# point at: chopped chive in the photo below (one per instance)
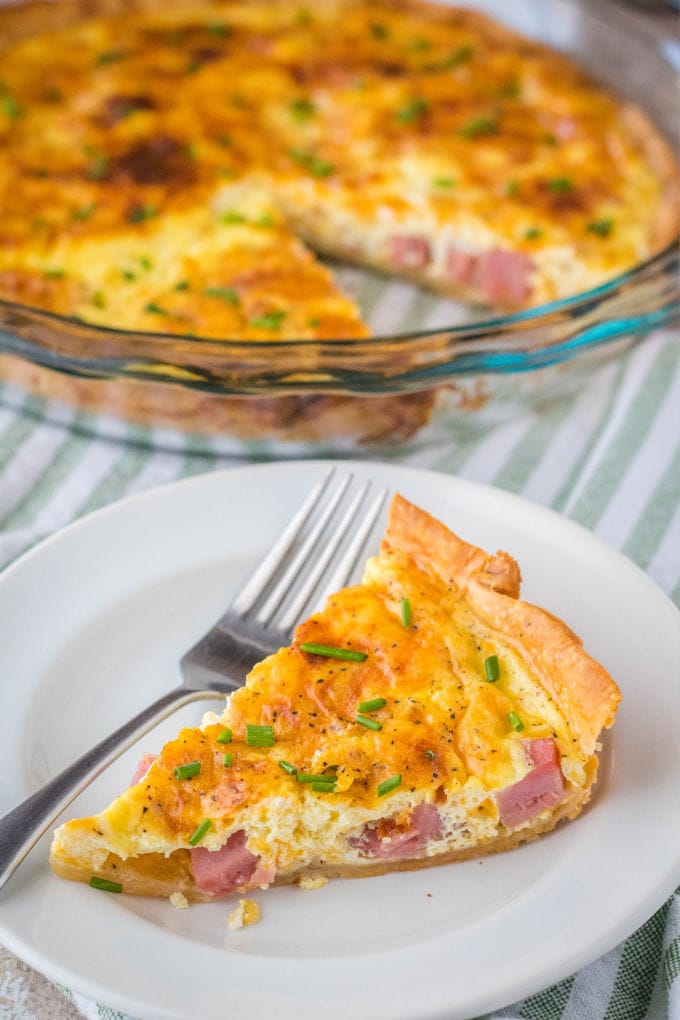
(55, 274)
(378, 30)
(510, 89)
(272, 320)
(430, 754)
(406, 614)
(200, 832)
(331, 652)
(145, 262)
(601, 227)
(192, 768)
(192, 150)
(560, 185)
(265, 221)
(227, 294)
(224, 140)
(153, 309)
(493, 670)
(227, 759)
(127, 274)
(511, 188)
(412, 110)
(140, 213)
(11, 107)
(515, 721)
(98, 168)
(259, 736)
(181, 285)
(108, 57)
(302, 109)
(84, 212)
(224, 736)
(372, 706)
(479, 127)
(324, 787)
(317, 167)
(370, 724)
(231, 217)
(103, 883)
(219, 29)
(313, 323)
(99, 299)
(389, 784)
(287, 767)
(444, 182)
(532, 233)
(310, 777)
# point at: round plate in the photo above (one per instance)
(94, 622)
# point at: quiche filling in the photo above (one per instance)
(424, 715)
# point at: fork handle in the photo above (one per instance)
(22, 827)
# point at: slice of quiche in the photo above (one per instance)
(425, 715)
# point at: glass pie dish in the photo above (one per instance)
(431, 364)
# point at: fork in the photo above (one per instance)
(313, 557)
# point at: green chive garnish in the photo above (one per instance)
(127, 274)
(560, 185)
(511, 188)
(272, 320)
(493, 670)
(430, 754)
(140, 213)
(192, 768)
(231, 217)
(287, 767)
(153, 309)
(389, 784)
(444, 182)
(324, 787)
(479, 127)
(265, 221)
(330, 652)
(406, 612)
(103, 883)
(181, 285)
(11, 107)
(515, 721)
(200, 832)
(602, 227)
(227, 294)
(370, 724)
(227, 759)
(259, 736)
(224, 736)
(372, 706)
(309, 777)
(98, 168)
(99, 299)
(302, 109)
(532, 233)
(108, 57)
(317, 167)
(219, 29)
(378, 30)
(84, 212)
(55, 274)
(412, 110)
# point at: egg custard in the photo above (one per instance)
(425, 715)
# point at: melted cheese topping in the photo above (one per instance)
(153, 181)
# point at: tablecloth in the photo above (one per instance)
(607, 456)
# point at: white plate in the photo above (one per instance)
(93, 623)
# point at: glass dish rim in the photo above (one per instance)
(494, 326)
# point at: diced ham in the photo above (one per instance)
(503, 276)
(218, 872)
(460, 265)
(541, 788)
(389, 841)
(143, 766)
(410, 252)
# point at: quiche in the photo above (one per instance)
(171, 168)
(423, 716)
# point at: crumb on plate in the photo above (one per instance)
(247, 912)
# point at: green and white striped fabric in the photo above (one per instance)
(607, 456)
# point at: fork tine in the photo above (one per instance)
(280, 590)
(340, 576)
(266, 571)
(294, 610)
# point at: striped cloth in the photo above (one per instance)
(607, 456)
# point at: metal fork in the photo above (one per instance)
(313, 557)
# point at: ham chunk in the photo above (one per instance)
(218, 872)
(410, 252)
(389, 841)
(541, 788)
(502, 277)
